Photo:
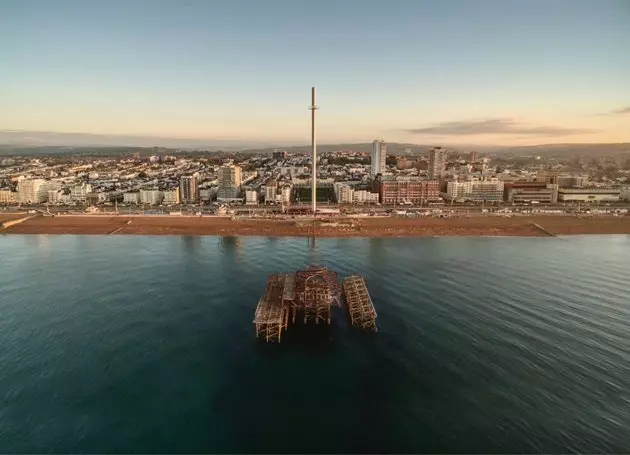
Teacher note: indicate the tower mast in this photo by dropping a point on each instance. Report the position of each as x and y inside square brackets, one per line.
[313, 107]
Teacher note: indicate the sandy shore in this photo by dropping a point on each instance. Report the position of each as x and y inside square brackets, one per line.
[365, 227]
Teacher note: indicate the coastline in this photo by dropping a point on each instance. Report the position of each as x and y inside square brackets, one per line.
[519, 226]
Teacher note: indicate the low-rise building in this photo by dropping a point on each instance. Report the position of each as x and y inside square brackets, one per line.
[524, 192]
[476, 189]
[589, 194]
[131, 197]
[365, 197]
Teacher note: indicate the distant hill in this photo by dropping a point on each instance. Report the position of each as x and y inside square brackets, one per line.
[14, 138]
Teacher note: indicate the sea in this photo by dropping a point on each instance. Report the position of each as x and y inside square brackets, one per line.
[134, 344]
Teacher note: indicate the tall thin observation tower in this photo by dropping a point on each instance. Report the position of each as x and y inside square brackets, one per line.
[313, 107]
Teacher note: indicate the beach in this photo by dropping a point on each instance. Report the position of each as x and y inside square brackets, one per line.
[538, 226]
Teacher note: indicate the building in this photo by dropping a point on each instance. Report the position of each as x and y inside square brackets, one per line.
[437, 163]
[562, 179]
[589, 194]
[189, 189]
[131, 198]
[271, 191]
[379, 156]
[344, 193]
[171, 197]
[286, 194]
[476, 190]
[279, 155]
[32, 191]
[407, 190]
[79, 192]
[251, 197]
[151, 197]
[8, 197]
[525, 192]
[230, 180]
[473, 157]
[365, 197]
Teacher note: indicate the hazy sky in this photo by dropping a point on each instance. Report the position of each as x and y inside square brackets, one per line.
[429, 72]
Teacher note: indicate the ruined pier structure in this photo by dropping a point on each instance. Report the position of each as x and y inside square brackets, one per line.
[310, 295]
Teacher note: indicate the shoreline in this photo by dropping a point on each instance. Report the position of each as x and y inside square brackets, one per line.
[474, 226]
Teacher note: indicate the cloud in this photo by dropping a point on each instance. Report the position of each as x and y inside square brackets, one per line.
[503, 126]
[623, 110]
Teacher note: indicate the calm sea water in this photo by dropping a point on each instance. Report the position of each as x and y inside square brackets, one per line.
[146, 344]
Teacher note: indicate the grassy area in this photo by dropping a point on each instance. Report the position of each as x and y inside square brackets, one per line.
[325, 194]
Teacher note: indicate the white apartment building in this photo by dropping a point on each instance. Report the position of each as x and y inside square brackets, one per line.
[151, 197]
[131, 198]
[476, 190]
[344, 193]
[32, 191]
[379, 155]
[171, 197]
[251, 197]
[286, 194]
[270, 193]
[364, 196]
[230, 180]
[437, 163]
[8, 197]
[79, 192]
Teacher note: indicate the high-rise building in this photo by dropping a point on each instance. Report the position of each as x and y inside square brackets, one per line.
[230, 180]
[32, 191]
[189, 189]
[437, 163]
[379, 154]
[270, 192]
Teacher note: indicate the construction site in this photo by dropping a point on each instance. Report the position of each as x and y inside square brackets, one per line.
[309, 296]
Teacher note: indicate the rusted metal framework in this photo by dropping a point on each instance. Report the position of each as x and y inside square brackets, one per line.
[316, 289]
[272, 313]
[311, 292]
[360, 306]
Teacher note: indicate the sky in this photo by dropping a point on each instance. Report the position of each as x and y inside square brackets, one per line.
[505, 72]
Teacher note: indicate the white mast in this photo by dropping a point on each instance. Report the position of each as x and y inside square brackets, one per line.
[313, 107]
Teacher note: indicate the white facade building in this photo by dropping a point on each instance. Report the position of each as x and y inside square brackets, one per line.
[379, 155]
[364, 196]
[171, 197]
[589, 194]
[476, 190]
[286, 194]
[251, 197]
[344, 193]
[151, 197]
[79, 192]
[230, 180]
[131, 198]
[8, 197]
[32, 191]
[437, 163]
[270, 193]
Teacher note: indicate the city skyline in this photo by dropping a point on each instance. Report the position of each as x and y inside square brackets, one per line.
[452, 73]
